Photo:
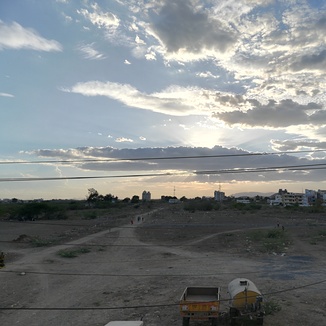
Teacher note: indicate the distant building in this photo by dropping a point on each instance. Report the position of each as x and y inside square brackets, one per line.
[146, 196]
[243, 200]
[285, 198]
[219, 195]
[311, 196]
[321, 194]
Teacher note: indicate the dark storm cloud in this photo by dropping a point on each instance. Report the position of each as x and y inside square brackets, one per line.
[180, 26]
[313, 61]
[276, 114]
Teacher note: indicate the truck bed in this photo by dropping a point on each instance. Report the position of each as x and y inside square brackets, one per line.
[200, 298]
[201, 294]
[200, 303]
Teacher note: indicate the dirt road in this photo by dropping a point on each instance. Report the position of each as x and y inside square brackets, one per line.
[139, 270]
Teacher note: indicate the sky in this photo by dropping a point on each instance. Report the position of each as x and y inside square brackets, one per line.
[167, 96]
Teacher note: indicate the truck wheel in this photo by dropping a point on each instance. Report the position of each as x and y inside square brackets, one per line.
[185, 321]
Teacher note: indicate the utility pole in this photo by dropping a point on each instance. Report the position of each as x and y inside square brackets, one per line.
[220, 194]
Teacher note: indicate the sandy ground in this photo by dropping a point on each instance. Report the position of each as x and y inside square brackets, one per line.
[139, 270]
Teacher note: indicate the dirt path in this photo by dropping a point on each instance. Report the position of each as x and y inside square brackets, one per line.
[123, 271]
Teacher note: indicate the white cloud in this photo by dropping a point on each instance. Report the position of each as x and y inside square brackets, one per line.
[99, 18]
[89, 52]
[138, 40]
[67, 18]
[123, 140]
[6, 95]
[150, 55]
[174, 100]
[14, 36]
[206, 74]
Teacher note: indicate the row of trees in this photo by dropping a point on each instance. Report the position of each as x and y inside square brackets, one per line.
[94, 197]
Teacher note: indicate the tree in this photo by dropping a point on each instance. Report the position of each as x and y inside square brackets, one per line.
[135, 199]
[110, 198]
[32, 211]
[92, 195]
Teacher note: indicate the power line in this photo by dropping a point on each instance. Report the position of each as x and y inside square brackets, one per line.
[120, 275]
[113, 228]
[304, 167]
[147, 305]
[161, 158]
[133, 275]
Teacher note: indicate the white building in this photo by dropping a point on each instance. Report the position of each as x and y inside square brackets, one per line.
[321, 194]
[243, 200]
[311, 196]
[219, 195]
[146, 196]
[289, 199]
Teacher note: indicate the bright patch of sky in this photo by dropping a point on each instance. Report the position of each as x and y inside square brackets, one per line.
[105, 79]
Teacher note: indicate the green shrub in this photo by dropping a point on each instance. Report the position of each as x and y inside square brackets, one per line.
[271, 307]
[274, 240]
[39, 242]
[198, 205]
[72, 253]
[90, 215]
[321, 236]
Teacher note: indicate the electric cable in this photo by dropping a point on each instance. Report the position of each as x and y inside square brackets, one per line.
[133, 275]
[162, 158]
[148, 305]
[304, 167]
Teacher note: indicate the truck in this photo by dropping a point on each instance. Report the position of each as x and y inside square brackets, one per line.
[245, 303]
[200, 303]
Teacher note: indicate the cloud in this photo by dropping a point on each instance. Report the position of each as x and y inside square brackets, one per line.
[206, 74]
[321, 23]
[276, 114]
[206, 169]
[6, 95]
[174, 100]
[99, 18]
[14, 36]
[182, 27]
[90, 53]
[123, 140]
[298, 144]
[311, 62]
[150, 56]
[138, 40]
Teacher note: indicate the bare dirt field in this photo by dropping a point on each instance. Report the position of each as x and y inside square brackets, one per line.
[128, 271]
